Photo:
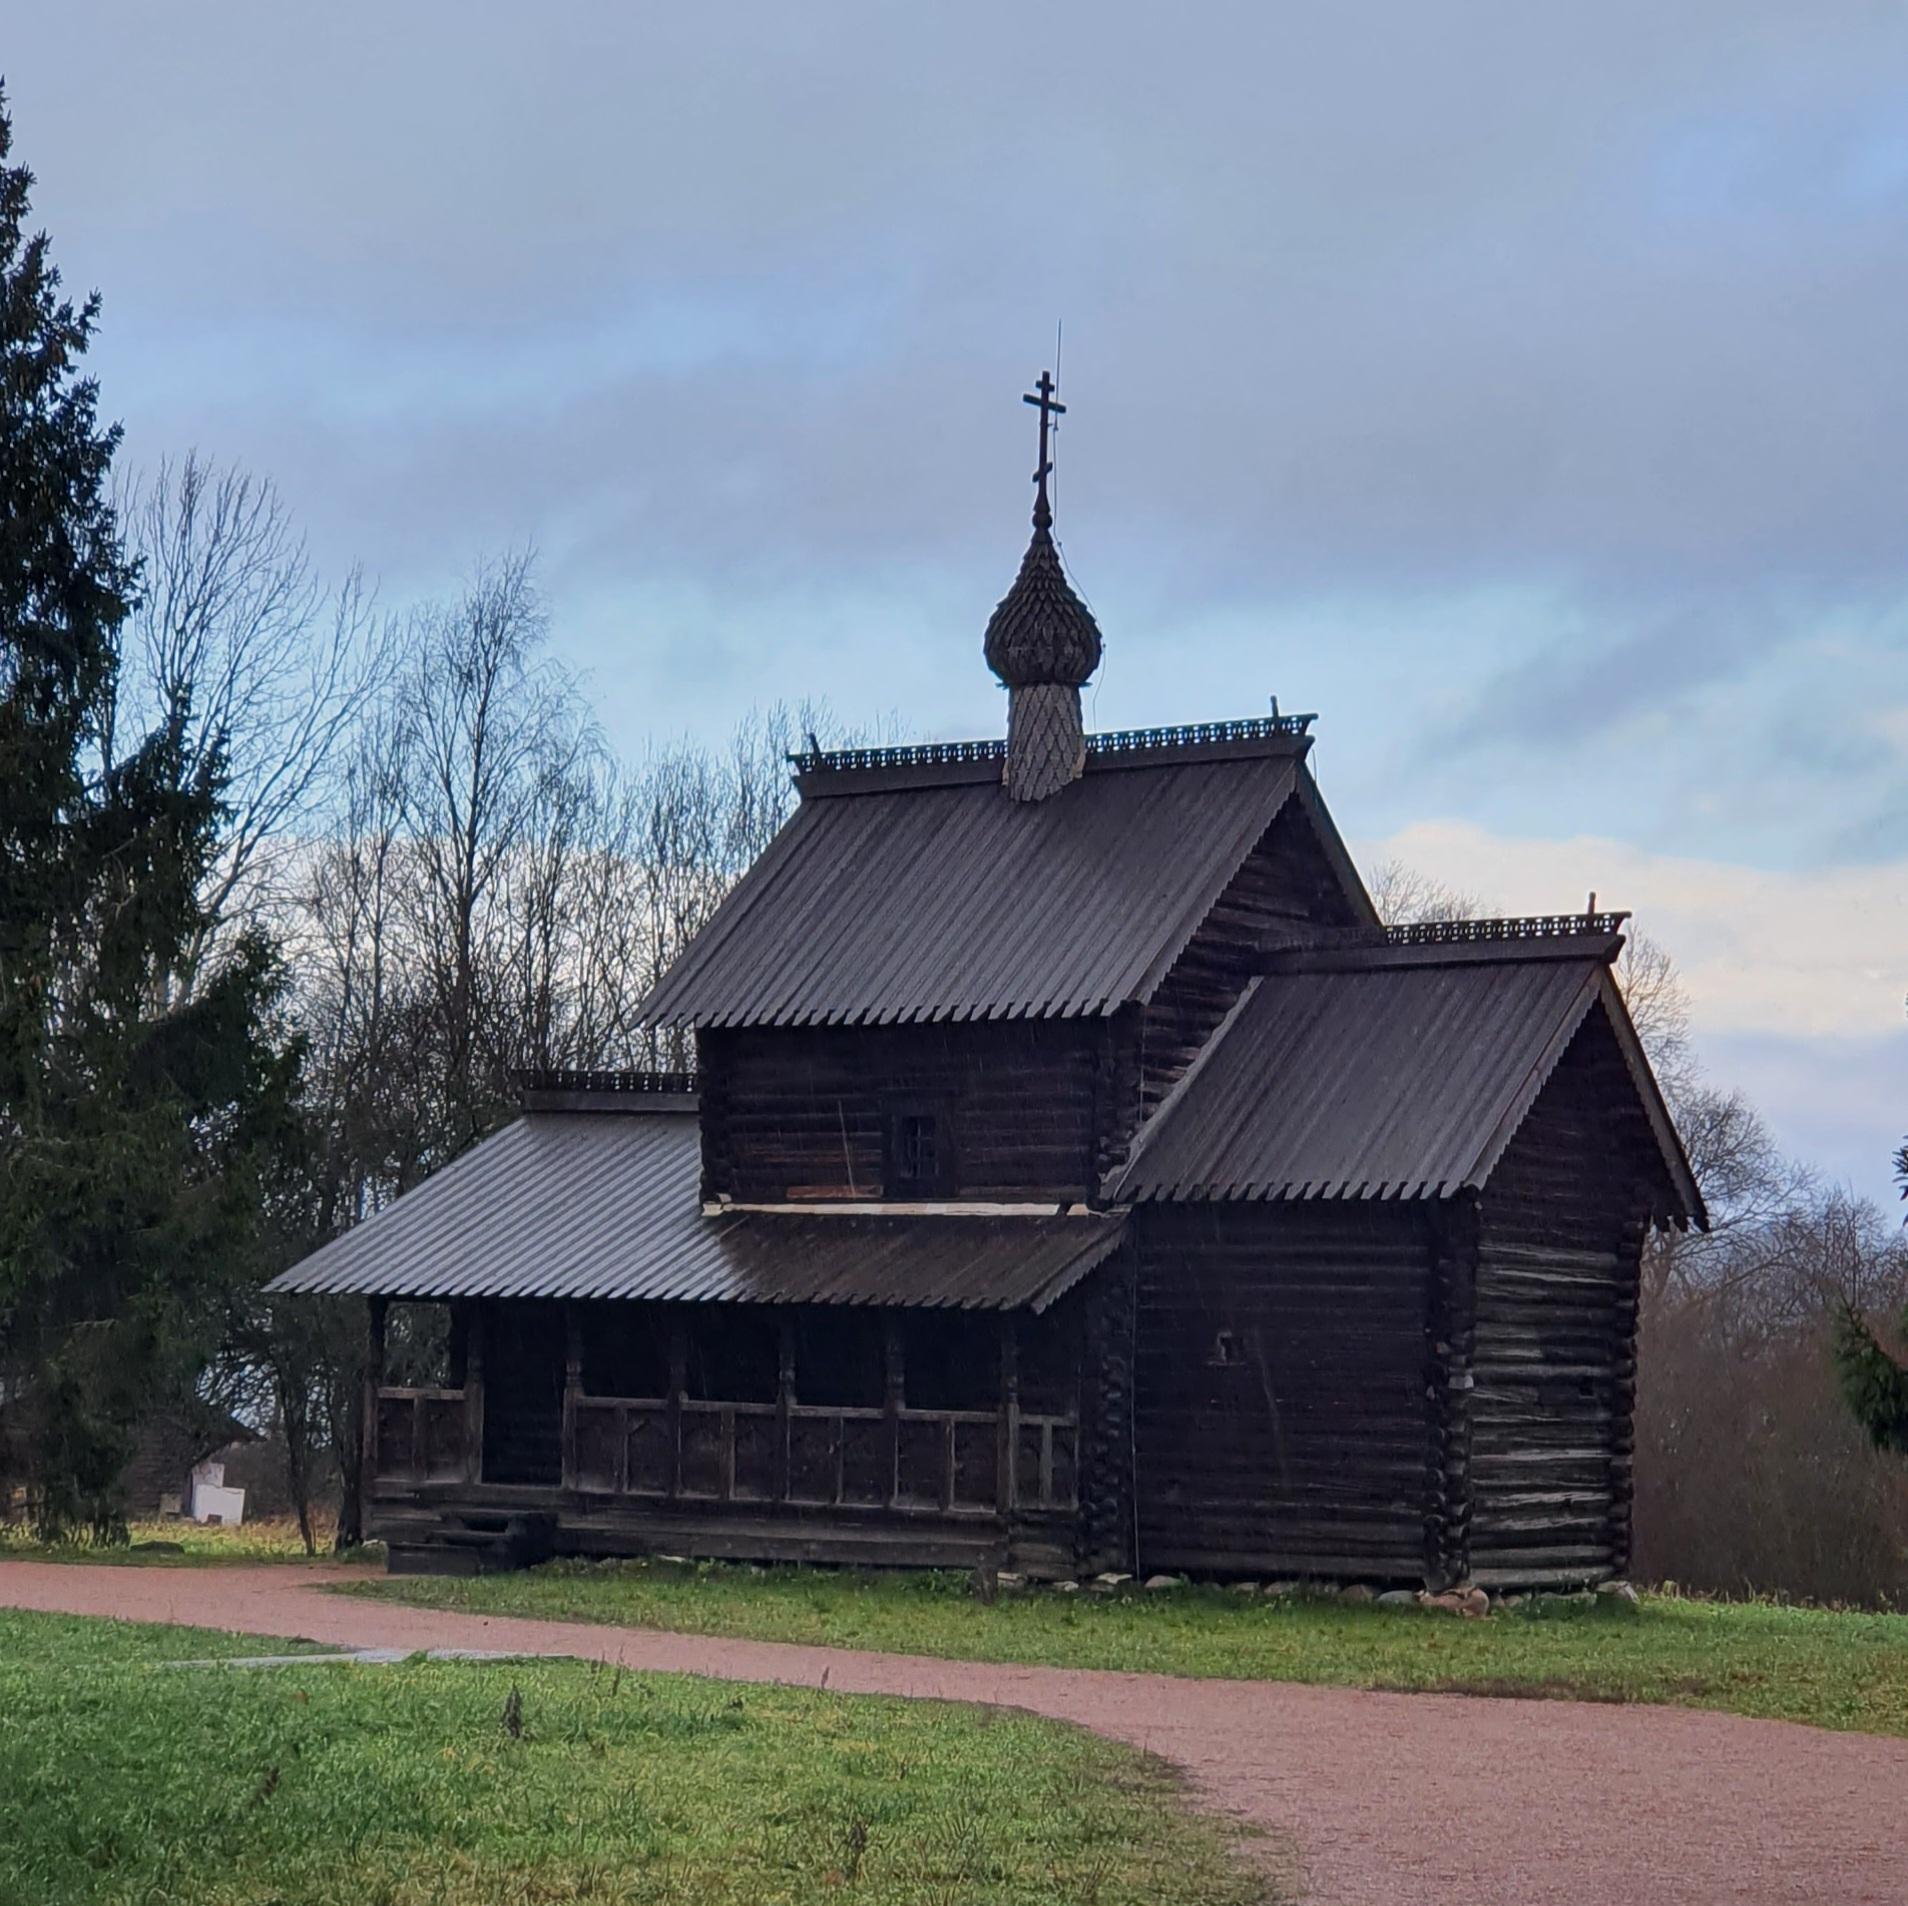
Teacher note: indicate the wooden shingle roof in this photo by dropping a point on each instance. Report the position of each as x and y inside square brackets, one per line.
[908, 887]
[1389, 1071]
[606, 1204]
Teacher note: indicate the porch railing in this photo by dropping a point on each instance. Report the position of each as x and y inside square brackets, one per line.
[421, 1435]
[957, 1461]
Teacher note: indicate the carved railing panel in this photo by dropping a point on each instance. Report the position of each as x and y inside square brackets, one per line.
[1047, 1462]
[818, 1457]
[421, 1435]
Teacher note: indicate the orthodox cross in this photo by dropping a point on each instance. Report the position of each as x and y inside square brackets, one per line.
[1049, 407]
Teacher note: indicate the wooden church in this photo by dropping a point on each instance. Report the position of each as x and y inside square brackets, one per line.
[1076, 1176]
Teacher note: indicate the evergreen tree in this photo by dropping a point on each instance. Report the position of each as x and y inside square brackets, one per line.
[133, 1129]
[1874, 1385]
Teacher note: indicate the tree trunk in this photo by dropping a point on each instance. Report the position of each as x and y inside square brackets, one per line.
[350, 1447]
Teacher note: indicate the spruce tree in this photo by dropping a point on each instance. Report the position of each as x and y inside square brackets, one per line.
[1874, 1385]
[132, 1129]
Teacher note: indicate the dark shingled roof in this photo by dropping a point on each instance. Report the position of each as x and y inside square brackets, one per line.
[920, 891]
[1392, 1072]
[605, 1204]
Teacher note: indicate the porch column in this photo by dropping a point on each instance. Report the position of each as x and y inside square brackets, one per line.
[892, 1398]
[678, 1390]
[1007, 1476]
[474, 1392]
[373, 1379]
[572, 1387]
[784, 1400]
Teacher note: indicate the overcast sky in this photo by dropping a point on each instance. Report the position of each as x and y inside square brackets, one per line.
[1521, 387]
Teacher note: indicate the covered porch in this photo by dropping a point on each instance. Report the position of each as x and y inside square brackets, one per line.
[570, 1356]
[817, 1433]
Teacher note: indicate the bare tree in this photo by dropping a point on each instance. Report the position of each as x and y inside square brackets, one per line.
[1751, 1474]
[492, 891]
[496, 743]
[237, 645]
[1658, 1004]
[1406, 896]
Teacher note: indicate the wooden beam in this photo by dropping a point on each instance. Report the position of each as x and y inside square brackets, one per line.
[1006, 1482]
[893, 1399]
[572, 1389]
[678, 1390]
[784, 1401]
[474, 1392]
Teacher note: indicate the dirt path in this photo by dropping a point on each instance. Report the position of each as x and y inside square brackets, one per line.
[1391, 1799]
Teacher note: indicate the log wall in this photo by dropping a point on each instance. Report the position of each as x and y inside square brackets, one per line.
[1283, 1372]
[803, 1111]
[1106, 1311]
[1560, 1237]
[1283, 888]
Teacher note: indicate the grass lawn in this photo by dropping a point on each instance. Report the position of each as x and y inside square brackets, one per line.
[123, 1780]
[1826, 1667]
[187, 1544]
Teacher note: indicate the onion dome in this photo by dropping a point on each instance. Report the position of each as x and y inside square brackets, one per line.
[1041, 631]
[1043, 643]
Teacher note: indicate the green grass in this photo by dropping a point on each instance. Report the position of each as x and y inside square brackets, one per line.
[123, 1781]
[176, 1544]
[1829, 1668]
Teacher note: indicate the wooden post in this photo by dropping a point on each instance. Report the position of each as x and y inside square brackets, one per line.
[572, 1388]
[784, 1402]
[373, 1380]
[678, 1392]
[1007, 1480]
[474, 1393]
[893, 1398]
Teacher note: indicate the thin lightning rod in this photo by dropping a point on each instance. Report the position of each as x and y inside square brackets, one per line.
[1058, 328]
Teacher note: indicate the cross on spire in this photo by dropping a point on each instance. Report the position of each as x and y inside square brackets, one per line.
[1043, 397]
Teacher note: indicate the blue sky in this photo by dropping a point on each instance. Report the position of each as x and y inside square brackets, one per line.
[1519, 387]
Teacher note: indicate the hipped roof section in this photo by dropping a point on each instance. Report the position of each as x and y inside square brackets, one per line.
[907, 887]
[1389, 1072]
[606, 1204]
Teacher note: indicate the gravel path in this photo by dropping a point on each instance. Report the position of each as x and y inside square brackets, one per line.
[1389, 1799]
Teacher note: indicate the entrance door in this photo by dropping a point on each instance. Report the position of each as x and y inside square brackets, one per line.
[524, 1356]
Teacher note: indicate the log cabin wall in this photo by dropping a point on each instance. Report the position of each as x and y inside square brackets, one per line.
[804, 1112]
[1106, 1310]
[1452, 1329]
[1283, 1377]
[1283, 888]
[1561, 1227]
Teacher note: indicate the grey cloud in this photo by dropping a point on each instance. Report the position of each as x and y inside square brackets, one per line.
[1391, 299]
[1404, 292]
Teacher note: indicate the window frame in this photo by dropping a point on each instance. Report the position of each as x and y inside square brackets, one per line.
[945, 1176]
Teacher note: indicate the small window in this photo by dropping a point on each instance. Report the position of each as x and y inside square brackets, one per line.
[920, 1164]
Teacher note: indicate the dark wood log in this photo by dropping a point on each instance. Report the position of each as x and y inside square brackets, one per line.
[805, 1111]
[1282, 890]
[1562, 1227]
[1282, 1404]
